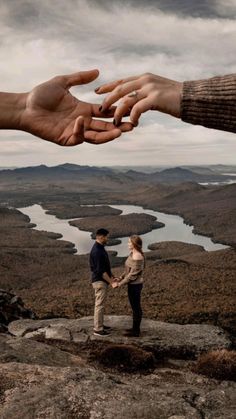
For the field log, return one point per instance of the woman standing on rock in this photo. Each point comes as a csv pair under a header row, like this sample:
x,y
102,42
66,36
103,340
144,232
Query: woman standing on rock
x,y
133,276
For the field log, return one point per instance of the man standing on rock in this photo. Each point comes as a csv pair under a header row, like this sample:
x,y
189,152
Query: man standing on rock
x,y
101,278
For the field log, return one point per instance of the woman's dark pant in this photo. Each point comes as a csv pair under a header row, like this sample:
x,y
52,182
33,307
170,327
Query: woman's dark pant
x,y
134,294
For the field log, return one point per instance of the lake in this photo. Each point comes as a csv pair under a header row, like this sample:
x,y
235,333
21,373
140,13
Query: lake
x,y
174,229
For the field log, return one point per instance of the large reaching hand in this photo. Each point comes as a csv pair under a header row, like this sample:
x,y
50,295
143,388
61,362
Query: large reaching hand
x,y
51,112
140,94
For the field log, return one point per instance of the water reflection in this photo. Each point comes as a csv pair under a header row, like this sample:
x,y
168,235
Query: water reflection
x,y
174,229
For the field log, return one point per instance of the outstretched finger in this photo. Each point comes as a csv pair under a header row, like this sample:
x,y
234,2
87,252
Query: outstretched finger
x,y
108,87
98,125
95,137
81,77
125,106
119,92
140,107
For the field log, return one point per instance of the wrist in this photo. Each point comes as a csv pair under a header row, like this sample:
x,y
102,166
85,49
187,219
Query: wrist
x,y
172,97
177,99
12,107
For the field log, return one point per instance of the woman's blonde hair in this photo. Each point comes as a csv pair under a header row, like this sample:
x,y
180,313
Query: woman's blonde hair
x,y
137,243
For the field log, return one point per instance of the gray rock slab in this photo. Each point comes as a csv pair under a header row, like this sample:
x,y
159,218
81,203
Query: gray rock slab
x,y
15,349
23,327
158,336
39,391
75,330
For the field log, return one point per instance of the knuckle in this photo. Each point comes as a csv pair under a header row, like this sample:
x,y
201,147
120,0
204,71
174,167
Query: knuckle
x,y
124,104
150,89
118,82
118,90
60,79
147,77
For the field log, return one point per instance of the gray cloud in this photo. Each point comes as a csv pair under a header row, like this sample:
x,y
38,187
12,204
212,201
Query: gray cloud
x,y
200,8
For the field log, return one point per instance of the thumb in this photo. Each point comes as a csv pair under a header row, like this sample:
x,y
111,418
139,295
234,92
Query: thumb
x,y
77,134
81,77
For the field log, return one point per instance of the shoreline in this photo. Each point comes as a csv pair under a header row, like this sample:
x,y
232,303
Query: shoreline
x,y
90,224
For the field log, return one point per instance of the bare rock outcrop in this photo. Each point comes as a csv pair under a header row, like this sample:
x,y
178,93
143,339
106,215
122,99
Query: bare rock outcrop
x,y
46,370
31,390
12,308
28,351
163,339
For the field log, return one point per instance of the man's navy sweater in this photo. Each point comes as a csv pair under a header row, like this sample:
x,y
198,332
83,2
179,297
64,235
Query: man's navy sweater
x,y
99,262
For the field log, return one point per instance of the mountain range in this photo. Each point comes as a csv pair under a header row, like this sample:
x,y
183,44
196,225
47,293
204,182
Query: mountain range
x,y
70,171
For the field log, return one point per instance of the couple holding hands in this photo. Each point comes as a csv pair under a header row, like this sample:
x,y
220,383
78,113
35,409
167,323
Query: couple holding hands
x,y
102,277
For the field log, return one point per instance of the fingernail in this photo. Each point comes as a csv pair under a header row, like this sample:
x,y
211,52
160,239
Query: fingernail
x,y
100,109
116,123
97,89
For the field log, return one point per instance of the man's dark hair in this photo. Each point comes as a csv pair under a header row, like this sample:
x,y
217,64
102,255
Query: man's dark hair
x,y
102,232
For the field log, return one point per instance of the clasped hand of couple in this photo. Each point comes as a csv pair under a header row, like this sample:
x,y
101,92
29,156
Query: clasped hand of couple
x,y
51,112
115,282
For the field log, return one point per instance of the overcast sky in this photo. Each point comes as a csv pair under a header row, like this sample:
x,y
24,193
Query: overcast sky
x,y
180,39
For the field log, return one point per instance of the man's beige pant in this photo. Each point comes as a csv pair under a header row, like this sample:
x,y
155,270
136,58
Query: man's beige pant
x,y
100,289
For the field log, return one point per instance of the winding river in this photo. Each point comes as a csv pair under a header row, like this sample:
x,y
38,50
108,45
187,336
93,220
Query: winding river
x,y
174,229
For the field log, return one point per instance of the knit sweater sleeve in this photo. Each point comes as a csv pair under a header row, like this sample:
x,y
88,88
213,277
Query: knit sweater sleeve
x,y
135,270
210,102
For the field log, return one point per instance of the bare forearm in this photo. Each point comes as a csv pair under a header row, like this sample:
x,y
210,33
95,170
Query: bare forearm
x,y
12,106
107,277
124,281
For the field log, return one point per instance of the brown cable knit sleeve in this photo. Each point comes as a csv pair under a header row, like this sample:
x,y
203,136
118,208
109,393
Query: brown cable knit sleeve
x,y
135,270
210,102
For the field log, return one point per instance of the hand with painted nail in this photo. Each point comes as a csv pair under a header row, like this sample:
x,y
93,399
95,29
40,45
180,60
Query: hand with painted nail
x,y
52,113
141,93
